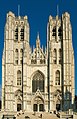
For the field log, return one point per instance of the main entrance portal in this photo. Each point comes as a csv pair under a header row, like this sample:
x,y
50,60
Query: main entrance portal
x,y
38,104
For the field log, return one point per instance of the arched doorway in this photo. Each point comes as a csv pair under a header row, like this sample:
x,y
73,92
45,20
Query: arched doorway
x,y
38,104
57,97
18,99
58,105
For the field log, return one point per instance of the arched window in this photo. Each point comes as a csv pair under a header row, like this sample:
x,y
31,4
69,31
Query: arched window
x,y
18,77
16,56
60,56
54,56
60,32
42,61
57,78
33,61
16,34
54,32
22,33
60,53
16,53
38,82
21,55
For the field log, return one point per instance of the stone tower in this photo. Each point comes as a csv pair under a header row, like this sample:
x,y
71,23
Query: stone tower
x,y
38,79
60,61
15,40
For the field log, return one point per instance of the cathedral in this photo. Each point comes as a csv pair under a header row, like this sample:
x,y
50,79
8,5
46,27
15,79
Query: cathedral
x,y
37,79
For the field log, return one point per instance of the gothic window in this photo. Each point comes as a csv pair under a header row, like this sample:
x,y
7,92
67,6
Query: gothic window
x,y
38,82
60,32
16,56
33,61
16,34
60,56
54,32
16,53
18,77
42,61
54,56
22,33
57,78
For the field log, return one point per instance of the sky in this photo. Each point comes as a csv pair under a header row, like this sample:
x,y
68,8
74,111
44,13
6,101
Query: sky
x,y
38,12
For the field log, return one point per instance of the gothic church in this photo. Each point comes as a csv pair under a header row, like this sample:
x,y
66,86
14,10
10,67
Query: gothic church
x,y
38,79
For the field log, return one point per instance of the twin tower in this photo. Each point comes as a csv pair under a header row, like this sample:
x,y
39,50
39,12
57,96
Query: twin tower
x,y
37,79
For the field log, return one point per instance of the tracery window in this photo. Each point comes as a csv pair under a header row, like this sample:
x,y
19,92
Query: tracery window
x,y
57,77
38,82
18,77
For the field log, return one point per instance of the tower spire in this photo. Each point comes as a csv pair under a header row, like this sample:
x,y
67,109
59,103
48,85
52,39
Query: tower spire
x,y
38,40
57,10
18,10
38,35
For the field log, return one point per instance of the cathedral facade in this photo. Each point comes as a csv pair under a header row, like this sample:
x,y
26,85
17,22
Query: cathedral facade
x,y
38,79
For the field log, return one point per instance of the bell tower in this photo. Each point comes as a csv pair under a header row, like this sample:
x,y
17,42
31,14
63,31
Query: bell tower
x,y
60,60
16,50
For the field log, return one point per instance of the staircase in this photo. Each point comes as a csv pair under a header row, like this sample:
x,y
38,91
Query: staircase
x,y
40,115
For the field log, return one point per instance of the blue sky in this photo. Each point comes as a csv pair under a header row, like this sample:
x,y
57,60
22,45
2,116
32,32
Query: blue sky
x,y
38,12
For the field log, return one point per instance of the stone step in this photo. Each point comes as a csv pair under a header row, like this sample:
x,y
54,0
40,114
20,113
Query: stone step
x,y
37,116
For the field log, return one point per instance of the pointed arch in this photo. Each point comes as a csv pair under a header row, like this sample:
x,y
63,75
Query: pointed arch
x,y
38,81
18,92
18,99
38,101
57,77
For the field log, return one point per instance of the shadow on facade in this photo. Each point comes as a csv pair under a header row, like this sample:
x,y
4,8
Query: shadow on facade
x,y
68,101
75,103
